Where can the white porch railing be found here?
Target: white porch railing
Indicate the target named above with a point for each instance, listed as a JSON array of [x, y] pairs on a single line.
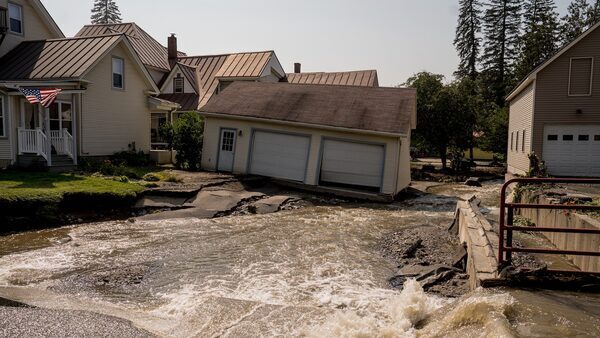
[[62, 141], [33, 141]]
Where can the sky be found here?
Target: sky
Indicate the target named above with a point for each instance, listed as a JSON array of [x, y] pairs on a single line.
[[397, 37]]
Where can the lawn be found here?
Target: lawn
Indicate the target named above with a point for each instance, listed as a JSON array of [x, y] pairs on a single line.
[[52, 187]]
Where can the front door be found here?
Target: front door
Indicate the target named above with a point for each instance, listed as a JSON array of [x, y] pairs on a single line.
[[226, 150]]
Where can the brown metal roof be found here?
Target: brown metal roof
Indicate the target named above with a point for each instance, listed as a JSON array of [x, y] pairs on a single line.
[[188, 102], [213, 67], [363, 78], [388, 110], [58, 59], [191, 73], [151, 52]]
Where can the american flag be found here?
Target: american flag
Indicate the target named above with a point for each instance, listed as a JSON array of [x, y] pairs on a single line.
[[44, 96]]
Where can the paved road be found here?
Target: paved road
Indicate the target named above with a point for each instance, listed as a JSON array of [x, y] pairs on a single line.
[[19, 321]]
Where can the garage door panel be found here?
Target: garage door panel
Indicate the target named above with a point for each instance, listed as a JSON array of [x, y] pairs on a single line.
[[352, 163], [279, 155], [575, 157]]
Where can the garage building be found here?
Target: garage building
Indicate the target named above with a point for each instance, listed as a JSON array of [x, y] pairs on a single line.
[[353, 138]]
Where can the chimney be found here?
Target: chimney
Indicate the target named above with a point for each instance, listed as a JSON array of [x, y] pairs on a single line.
[[172, 50], [297, 68]]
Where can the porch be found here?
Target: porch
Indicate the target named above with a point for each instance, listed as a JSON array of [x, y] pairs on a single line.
[[45, 135]]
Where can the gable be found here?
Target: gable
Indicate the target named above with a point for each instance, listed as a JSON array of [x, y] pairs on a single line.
[[37, 25], [189, 76]]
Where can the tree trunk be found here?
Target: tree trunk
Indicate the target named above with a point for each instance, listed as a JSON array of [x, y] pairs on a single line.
[[472, 154], [444, 157]]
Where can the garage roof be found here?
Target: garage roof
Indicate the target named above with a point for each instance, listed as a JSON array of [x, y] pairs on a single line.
[[387, 110], [364, 78]]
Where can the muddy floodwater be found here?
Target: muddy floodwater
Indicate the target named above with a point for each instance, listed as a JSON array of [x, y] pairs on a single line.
[[317, 272]]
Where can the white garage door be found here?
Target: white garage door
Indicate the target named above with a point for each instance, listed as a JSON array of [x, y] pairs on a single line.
[[352, 163], [279, 155], [572, 150]]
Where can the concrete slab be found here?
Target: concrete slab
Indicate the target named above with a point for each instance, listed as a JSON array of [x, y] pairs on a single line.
[[160, 202], [270, 204], [207, 204]]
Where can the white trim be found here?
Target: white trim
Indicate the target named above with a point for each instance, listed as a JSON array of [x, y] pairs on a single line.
[[591, 76], [49, 19], [21, 19], [531, 77], [302, 124], [112, 67]]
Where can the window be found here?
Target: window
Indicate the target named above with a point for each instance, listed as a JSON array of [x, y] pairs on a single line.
[[2, 131], [580, 76], [178, 84], [567, 137], [596, 137], [61, 116], [552, 137], [512, 137], [227, 143], [517, 142], [118, 70], [523, 142], [584, 137], [15, 16]]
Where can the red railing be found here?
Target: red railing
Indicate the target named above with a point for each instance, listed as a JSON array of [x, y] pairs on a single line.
[[507, 217]]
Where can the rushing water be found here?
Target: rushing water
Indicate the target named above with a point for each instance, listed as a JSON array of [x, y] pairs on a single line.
[[312, 272]]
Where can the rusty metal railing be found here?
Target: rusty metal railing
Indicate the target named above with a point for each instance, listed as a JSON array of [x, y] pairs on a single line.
[[507, 221]]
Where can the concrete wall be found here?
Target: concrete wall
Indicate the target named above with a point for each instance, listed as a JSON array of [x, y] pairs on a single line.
[[521, 121], [35, 27], [397, 157], [111, 119], [560, 219]]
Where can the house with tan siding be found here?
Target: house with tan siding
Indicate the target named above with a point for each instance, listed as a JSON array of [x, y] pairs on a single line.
[[106, 99], [555, 112]]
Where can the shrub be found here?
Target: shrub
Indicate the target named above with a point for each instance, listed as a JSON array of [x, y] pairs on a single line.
[[188, 132], [131, 158], [151, 177]]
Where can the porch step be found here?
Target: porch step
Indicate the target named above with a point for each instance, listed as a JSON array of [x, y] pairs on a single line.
[[60, 163]]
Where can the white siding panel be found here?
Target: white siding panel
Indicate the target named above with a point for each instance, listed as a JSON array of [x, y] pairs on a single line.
[[5, 149], [112, 118], [352, 163], [521, 119]]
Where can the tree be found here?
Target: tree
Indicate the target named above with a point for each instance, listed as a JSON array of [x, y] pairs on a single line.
[[445, 119], [501, 29], [593, 14], [539, 41], [575, 21], [186, 137], [495, 131], [467, 40], [105, 12]]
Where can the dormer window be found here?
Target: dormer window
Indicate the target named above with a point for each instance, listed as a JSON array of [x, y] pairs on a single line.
[[178, 84], [15, 18]]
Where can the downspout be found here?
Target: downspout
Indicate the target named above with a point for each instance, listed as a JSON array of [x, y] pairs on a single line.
[[398, 160]]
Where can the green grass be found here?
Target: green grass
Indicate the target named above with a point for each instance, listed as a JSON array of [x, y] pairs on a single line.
[[28, 186]]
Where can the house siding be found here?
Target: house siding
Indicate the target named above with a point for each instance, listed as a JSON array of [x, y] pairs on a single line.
[[34, 27], [112, 119], [553, 105], [521, 119], [397, 164], [5, 144]]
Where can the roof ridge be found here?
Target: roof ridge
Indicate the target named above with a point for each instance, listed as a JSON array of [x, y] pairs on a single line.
[[74, 38], [110, 24], [342, 71], [334, 85], [224, 54]]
